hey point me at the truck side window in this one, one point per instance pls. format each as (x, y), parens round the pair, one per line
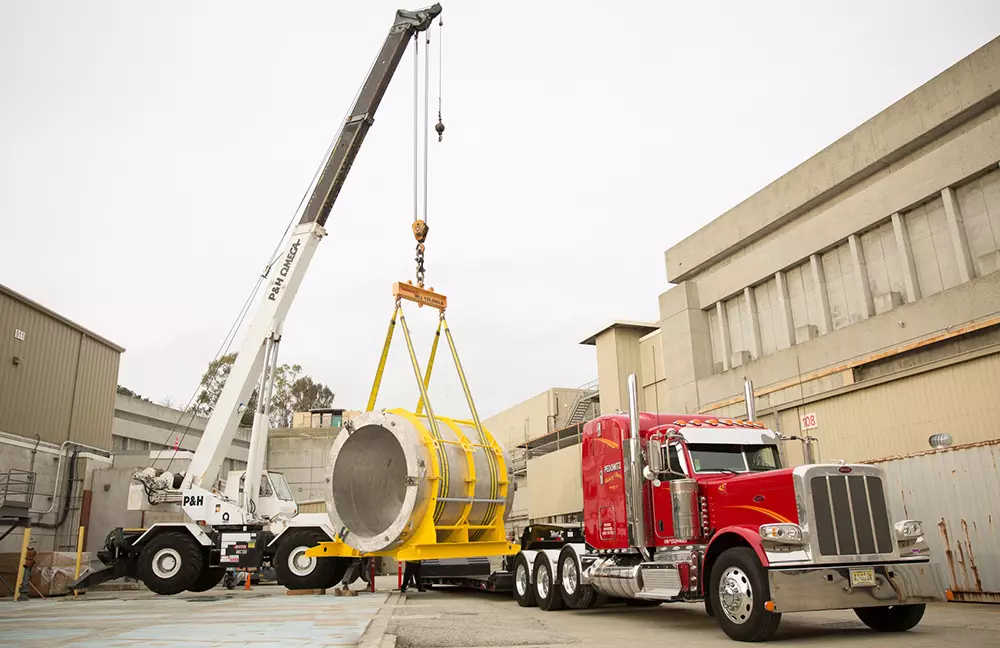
(675, 462)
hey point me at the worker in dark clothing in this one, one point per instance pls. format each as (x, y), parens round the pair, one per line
(411, 573)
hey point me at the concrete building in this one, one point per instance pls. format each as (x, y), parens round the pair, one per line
(860, 291)
(547, 424)
(861, 287)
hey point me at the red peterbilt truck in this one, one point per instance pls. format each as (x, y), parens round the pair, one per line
(691, 508)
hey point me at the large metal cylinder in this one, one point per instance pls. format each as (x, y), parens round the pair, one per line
(389, 470)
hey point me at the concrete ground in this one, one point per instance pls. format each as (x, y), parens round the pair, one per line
(445, 618)
(263, 617)
(440, 618)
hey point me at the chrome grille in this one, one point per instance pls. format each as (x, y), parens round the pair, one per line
(851, 516)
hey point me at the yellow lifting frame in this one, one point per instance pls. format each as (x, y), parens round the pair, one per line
(457, 541)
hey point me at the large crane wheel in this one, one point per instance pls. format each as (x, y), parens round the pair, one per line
(296, 571)
(171, 563)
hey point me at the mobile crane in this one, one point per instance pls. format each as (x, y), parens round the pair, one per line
(234, 529)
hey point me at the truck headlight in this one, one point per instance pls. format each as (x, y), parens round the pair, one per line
(908, 530)
(784, 533)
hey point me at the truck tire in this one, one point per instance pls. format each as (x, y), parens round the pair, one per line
(524, 591)
(296, 571)
(739, 589)
(891, 618)
(170, 563)
(547, 588)
(207, 579)
(576, 595)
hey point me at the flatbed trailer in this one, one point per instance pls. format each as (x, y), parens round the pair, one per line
(483, 573)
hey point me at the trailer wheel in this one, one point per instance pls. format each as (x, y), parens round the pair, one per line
(547, 588)
(524, 592)
(738, 587)
(208, 579)
(296, 571)
(170, 563)
(891, 618)
(576, 595)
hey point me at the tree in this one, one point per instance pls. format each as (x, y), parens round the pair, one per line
(292, 393)
(125, 391)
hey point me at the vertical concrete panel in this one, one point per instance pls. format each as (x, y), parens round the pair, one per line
(882, 260)
(750, 300)
(802, 296)
(768, 313)
(908, 266)
(980, 225)
(786, 328)
(836, 289)
(737, 340)
(714, 331)
(957, 233)
(822, 296)
(861, 286)
(943, 246)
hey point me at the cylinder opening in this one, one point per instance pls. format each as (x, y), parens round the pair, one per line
(369, 481)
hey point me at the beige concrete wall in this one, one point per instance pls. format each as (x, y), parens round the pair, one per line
(556, 483)
(966, 87)
(533, 418)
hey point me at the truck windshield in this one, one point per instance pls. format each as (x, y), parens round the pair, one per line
(733, 458)
(281, 489)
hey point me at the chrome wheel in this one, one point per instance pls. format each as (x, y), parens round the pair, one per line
(521, 579)
(166, 563)
(544, 583)
(736, 595)
(299, 563)
(570, 576)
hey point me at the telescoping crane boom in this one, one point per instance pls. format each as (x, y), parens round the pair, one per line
(239, 529)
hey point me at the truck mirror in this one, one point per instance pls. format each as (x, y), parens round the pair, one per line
(654, 456)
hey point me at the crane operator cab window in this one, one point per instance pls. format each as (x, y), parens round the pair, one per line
(280, 485)
(733, 458)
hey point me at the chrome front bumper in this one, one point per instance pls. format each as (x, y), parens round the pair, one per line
(802, 589)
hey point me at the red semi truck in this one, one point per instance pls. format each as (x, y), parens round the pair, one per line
(692, 508)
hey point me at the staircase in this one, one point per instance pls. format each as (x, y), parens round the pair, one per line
(586, 405)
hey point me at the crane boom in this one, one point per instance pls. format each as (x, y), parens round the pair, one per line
(287, 273)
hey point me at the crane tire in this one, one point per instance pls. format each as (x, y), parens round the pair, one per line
(171, 563)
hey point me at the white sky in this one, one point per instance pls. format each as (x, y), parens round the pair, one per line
(153, 152)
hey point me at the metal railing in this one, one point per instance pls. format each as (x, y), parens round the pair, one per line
(17, 487)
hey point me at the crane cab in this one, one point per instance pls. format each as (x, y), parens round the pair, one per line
(274, 497)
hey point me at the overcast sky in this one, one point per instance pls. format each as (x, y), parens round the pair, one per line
(153, 152)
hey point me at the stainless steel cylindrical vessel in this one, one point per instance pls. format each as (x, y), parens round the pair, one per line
(390, 470)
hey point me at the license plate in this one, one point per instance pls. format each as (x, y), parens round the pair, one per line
(863, 578)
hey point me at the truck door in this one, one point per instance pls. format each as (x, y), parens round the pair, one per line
(663, 519)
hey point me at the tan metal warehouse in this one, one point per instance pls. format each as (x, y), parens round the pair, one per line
(57, 402)
(57, 379)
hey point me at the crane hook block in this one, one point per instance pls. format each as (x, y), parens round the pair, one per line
(440, 129)
(420, 230)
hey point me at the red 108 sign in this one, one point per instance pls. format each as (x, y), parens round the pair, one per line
(809, 421)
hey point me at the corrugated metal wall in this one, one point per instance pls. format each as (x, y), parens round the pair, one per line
(63, 386)
(956, 494)
(898, 416)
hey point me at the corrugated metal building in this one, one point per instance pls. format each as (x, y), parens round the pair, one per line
(57, 402)
(57, 379)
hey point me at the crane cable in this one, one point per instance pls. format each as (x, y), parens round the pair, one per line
(420, 227)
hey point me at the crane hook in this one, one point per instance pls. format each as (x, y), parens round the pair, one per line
(439, 128)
